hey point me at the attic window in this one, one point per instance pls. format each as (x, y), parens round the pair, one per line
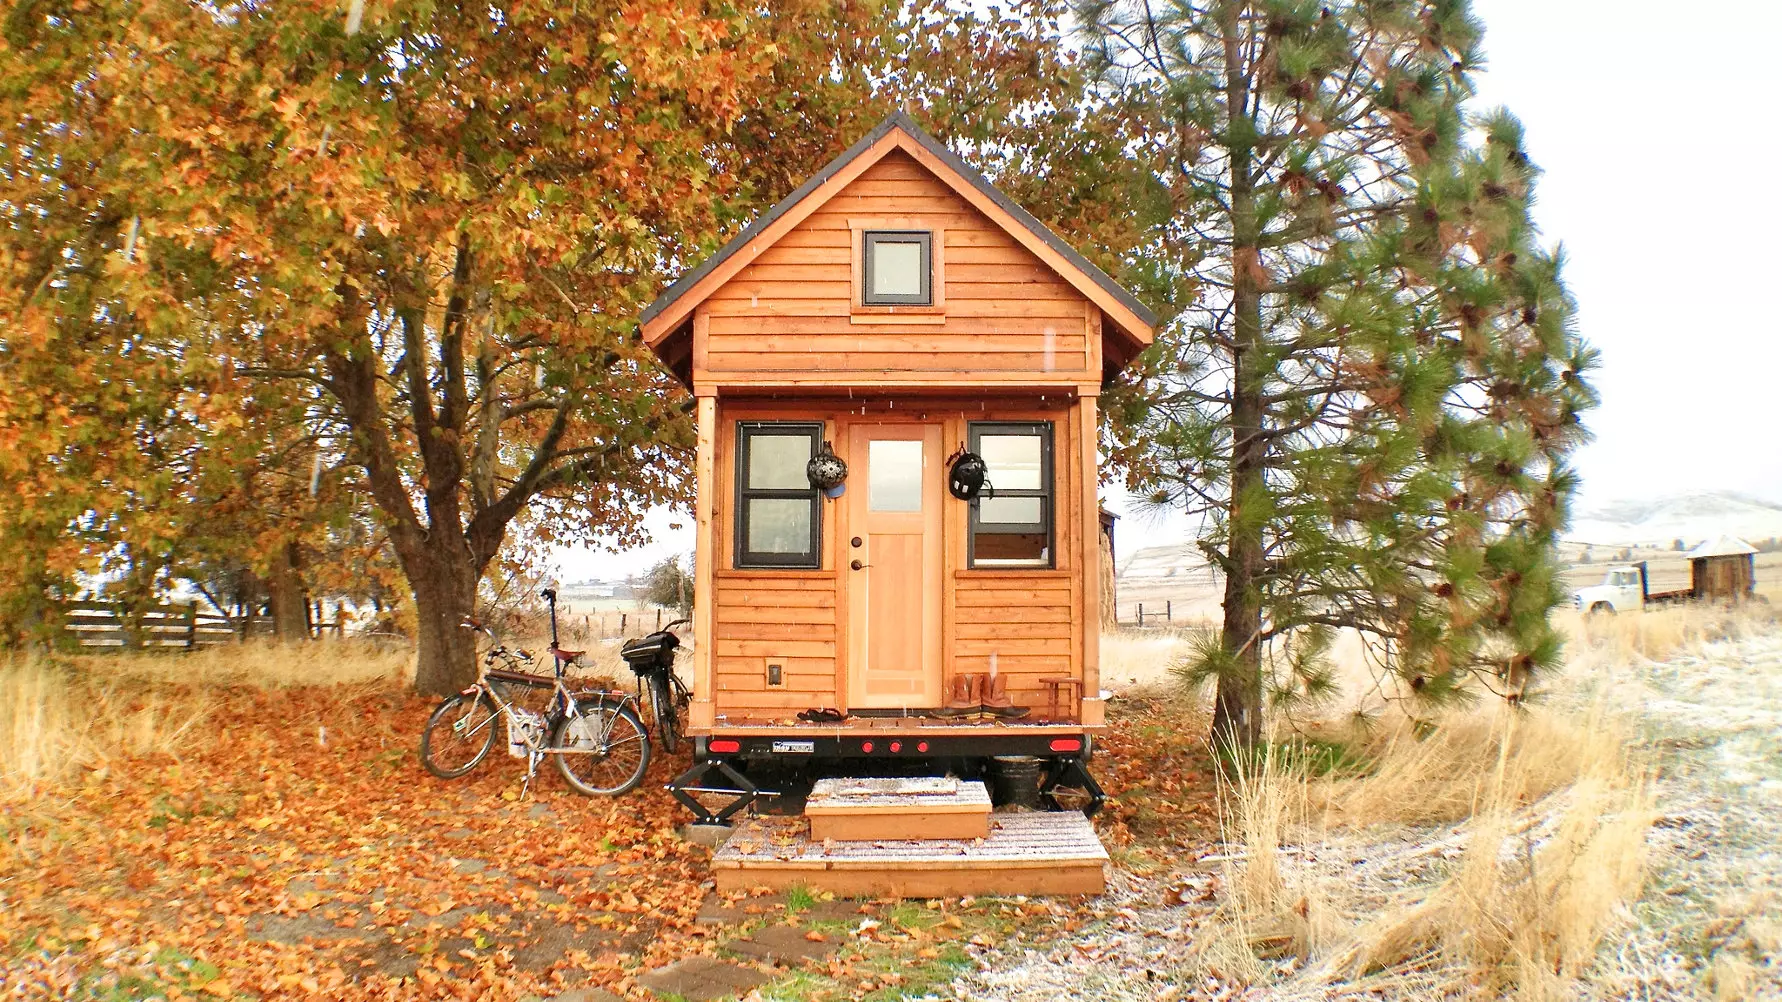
(899, 268)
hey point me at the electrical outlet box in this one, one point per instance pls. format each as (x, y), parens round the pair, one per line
(776, 673)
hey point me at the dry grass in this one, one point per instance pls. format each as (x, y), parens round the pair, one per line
(263, 664)
(1657, 633)
(62, 717)
(1488, 854)
(1538, 884)
(1422, 773)
(57, 723)
(1140, 657)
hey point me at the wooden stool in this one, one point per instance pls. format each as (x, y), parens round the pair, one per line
(1065, 690)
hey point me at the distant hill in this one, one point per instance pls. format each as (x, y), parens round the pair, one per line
(1691, 516)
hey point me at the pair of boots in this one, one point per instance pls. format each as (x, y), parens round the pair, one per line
(970, 693)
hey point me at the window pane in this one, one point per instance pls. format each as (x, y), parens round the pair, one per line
(1014, 461)
(894, 475)
(776, 462)
(896, 268)
(1016, 511)
(996, 549)
(779, 525)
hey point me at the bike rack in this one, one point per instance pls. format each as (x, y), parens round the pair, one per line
(745, 792)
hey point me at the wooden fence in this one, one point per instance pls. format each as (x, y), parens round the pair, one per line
(110, 625)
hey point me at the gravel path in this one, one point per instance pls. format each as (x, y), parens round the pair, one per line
(1708, 926)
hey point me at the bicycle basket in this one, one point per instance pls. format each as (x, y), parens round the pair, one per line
(650, 653)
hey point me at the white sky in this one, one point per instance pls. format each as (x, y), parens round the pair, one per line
(1650, 121)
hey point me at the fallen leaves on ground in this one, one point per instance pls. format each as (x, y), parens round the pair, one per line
(272, 864)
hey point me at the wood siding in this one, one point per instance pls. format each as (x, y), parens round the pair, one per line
(1031, 621)
(1002, 316)
(1022, 621)
(788, 619)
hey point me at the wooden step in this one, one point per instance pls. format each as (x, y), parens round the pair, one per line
(854, 810)
(1034, 853)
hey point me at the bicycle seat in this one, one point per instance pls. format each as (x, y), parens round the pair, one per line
(564, 655)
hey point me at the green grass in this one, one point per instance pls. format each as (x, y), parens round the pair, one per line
(172, 969)
(924, 977)
(799, 986)
(799, 899)
(830, 927)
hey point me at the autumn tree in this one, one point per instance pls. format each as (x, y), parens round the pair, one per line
(669, 584)
(441, 221)
(1372, 381)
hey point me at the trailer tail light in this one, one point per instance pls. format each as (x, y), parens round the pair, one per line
(866, 746)
(896, 746)
(1067, 744)
(724, 745)
(921, 746)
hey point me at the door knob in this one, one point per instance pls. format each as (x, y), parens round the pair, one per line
(857, 565)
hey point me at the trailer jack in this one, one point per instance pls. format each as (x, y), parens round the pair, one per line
(1070, 774)
(690, 782)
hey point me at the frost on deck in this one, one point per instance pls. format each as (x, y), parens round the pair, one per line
(1063, 836)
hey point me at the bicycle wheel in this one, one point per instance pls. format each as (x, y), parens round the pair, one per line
(662, 704)
(459, 735)
(601, 749)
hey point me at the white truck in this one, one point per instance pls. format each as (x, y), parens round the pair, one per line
(1625, 589)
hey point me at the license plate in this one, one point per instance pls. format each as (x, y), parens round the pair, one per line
(794, 747)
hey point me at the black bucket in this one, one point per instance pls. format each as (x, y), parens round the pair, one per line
(1016, 781)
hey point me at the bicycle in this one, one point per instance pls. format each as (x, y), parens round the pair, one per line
(596, 737)
(651, 658)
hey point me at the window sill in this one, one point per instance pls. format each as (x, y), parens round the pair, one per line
(897, 315)
(813, 573)
(1061, 573)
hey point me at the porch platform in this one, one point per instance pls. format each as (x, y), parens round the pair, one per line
(1028, 853)
(870, 726)
(869, 809)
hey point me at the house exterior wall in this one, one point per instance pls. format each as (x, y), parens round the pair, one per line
(1033, 622)
(792, 316)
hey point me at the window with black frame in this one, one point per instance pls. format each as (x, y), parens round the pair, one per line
(899, 268)
(1012, 526)
(778, 513)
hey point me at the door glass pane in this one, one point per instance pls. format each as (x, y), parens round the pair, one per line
(1014, 461)
(779, 525)
(896, 269)
(1017, 511)
(776, 462)
(894, 480)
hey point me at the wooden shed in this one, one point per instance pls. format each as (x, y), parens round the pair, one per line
(900, 311)
(1723, 569)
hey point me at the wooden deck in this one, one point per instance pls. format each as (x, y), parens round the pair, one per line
(1038, 853)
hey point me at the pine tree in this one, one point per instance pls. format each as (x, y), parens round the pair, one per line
(1372, 380)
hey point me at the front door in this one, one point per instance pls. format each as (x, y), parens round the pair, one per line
(892, 557)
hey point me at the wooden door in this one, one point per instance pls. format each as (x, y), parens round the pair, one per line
(892, 559)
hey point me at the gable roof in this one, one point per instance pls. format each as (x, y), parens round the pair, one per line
(675, 305)
(1725, 546)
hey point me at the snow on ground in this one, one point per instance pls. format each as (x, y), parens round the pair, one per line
(1707, 926)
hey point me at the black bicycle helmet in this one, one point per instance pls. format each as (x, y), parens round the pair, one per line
(968, 477)
(826, 471)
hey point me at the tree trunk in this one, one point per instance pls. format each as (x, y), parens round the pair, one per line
(444, 584)
(284, 591)
(1237, 707)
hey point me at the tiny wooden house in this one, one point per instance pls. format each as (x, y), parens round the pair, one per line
(900, 309)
